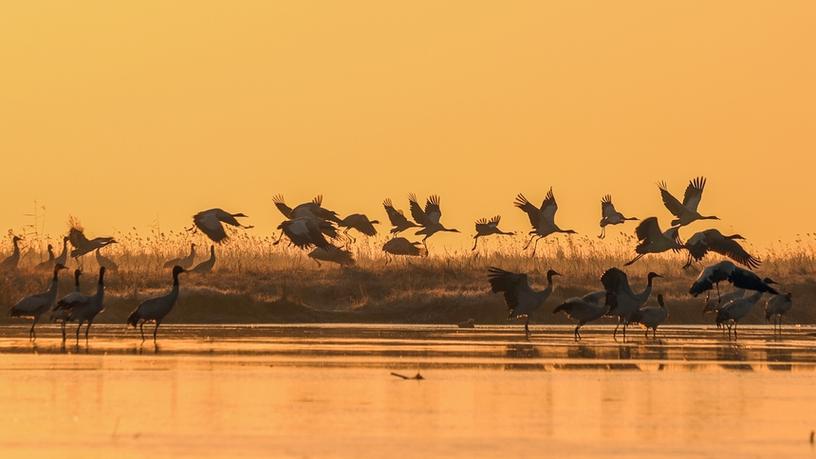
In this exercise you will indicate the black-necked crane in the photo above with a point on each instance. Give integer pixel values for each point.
(332, 254)
(156, 309)
(211, 223)
(776, 307)
(711, 240)
(82, 245)
(83, 309)
(62, 259)
(542, 219)
(305, 232)
(185, 262)
(207, 265)
(58, 314)
(521, 299)
(652, 316)
(610, 216)
(360, 223)
(311, 209)
(107, 262)
(48, 264)
(712, 275)
(652, 240)
(399, 222)
(34, 306)
(400, 246)
(583, 310)
(733, 311)
(623, 302)
(428, 217)
(485, 227)
(686, 211)
(10, 263)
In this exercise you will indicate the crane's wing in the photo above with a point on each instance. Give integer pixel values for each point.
(281, 205)
(511, 284)
(417, 212)
(548, 208)
(77, 238)
(673, 233)
(733, 250)
(616, 282)
(318, 200)
(532, 211)
(648, 229)
(671, 203)
(432, 209)
(607, 208)
(209, 224)
(396, 217)
(694, 193)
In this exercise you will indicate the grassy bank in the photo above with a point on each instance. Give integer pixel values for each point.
(256, 282)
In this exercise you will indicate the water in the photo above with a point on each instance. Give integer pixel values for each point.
(326, 391)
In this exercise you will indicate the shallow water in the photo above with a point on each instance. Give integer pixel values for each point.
(326, 391)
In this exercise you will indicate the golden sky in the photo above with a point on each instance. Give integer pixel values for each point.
(127, 113)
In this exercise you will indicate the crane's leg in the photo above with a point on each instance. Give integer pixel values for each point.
(63, 331)
(279, 239)
(527, 327)
(79, 327)
(646, 333)
(577, 333)
(603, 233)
(475, 242)
(535, 246)
(141, 330)
(625, 323)
(654, 333)
(735, 331)
(87, 330)
(529, 242)
(615, 333)
(156, 330)
(634, 259)
(32, 335)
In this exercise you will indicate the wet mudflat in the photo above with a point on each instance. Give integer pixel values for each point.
(326, 391)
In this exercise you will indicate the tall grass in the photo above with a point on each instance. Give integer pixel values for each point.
(255, 280)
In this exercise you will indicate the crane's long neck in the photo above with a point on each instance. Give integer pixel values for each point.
(16, 251)
(52, 289)
(100, 286)
(50, 253)
(644, 295)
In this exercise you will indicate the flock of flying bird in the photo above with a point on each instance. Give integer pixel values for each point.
(310, 225)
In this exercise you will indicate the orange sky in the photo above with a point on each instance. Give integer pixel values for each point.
(125, 113)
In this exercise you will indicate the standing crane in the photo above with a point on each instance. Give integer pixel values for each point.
(399, 222)
(652, 240)
(428, 217)
(48, 264)
(583, 310)
(623, 302)
(485, 227)
(156, 309)
(34, 306)
(207, 265)
(10, 263)
(108, 263)
(84, 308)
(686, 211)
(733, 311)
(184, 262)
(521, 299)
(652, 316)
(776, 307)
(542, 219)
(610, 216)
(58, 314)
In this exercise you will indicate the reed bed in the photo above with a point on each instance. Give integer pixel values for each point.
(257, 282)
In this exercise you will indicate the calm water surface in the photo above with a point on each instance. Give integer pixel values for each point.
(326, 391)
